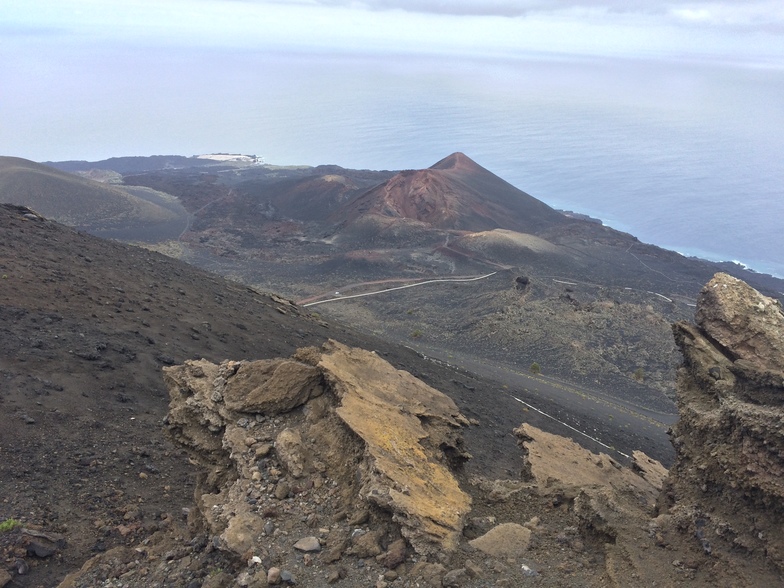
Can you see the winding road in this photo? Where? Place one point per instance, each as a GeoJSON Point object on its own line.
{"type": "Point", "coordinates": [348, 297]}
{"type": "Point", "coordinates": [601, 421]}
{"type": "Point", "coordinates": [589, 416]}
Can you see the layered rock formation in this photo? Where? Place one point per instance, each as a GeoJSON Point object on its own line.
{"type": "Point", "coordinates": [339, 424]}
{"type": "Point", "coordinates": [727, 485]}
{"type": "Point", "coordinates": [719, 520]}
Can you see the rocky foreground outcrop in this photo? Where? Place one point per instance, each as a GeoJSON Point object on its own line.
{"type": "Point", "coordinates": [376, 441]}
{"type": "Point", "coordinates": [727, 485]}
{"type": "Point", "coordinates": [721, 512]}
{"type": "Point", "coordinates": [332, 467]}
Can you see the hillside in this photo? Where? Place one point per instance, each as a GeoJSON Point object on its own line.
{"type": "Point", "coordinates": [86, 204]}
{"type": "Point", "coordinates": [455, 193]}
{"type": "Point", "coordinates": [133, 165]}
{"type": "Point", "coordinates": [587, 303]}
{"type": "Point", "coordinates": [332, 467]}
{"type": "Point", "coordinates": [88, 324]}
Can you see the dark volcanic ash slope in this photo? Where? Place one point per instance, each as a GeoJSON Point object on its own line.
{"type": "Point", "coordinates": [85, 327]}
{"type": "Point", "coordinates": [83, 203]}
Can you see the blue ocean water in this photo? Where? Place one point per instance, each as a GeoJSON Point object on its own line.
{"type": "Point", "coordinates": [685, 156]}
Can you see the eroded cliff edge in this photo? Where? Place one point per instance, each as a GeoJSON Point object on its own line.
{"type": "Point", "coordinates": [727, 484]}
{"type": "Point", "coordinates": [718, 520]}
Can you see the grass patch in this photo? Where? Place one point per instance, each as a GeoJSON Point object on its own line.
{"type": "Point", "coordinates": [9, 525]}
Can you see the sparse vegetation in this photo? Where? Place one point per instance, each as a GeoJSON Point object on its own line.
{"type": "Point", "coordinates": [639, 374]}
{"type": "Point", "coordinates": [535, 369]}
{"type": "Point", "coordinates": [416, 334]}
{"type": "Point", "coordinates": [9, 525]}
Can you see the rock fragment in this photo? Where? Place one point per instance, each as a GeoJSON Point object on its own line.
{"type": "Point", "coordinates": [308, 544]}
{"type": "Point", "coordinates": [291, 452]}
{"type": "Point", "coordinates": [395, 554]}
{"type": "Point", "coordinates": [455, 578]}
{"type": "Point", "coordinates": [282, 490]}
{"type": "Point", "coordinates": [508, 540]}
{"type": "Point", "coordinates": [272, 386]}
{"type": "Point", "coordinates": [273, 576]}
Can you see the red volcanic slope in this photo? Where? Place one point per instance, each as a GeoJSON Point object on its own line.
{"type": "Point", "coordinates": [455, 193]}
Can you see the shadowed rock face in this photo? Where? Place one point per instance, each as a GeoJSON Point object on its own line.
{"type": "Point", "coordinates": [344, 423]}
{"type": "Point", "coordinates": [728, 481]}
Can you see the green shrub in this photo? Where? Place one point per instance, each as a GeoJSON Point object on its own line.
{"type": "Point", "coordinates": [9, 525]}
{"type": "Point", "coordinates": [535, 369]}
{"type": "Point", "coordinates": [416, 334]}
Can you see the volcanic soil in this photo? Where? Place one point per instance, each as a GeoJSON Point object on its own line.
{"type": "Point", "coordinates": [87, 325]}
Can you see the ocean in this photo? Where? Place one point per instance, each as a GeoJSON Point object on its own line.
{"type": "Point", "coordinates": [685, 155]}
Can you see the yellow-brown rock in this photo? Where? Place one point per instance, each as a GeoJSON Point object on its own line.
{"type": "Point", "coordinates": [558, 464]}
{"type": "Point", "coordinates": [381, 438]}
{"type": "Point", "coordinates": [272, 386]}
{"type": "Point", "coordinates": [401, 421]}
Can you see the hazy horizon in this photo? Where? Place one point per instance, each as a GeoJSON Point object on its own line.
{"type": "Point", "coordinates": [89, 80]}
{"type": "Point", "coordinates": [663, 118]}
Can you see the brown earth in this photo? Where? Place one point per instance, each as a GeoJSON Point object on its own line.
{"type": "Point", "coordinates": [334, 468]}
{"type": "Point", "coordinates": [88, 324]}
{"type": "Point", "coordinates": [86, 327]}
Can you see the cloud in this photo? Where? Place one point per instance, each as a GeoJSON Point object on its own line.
{"type": "Point", "coordinates": [763, 15]}
{"type": "Point", "coordinates": [760, 14]}
{"type": "Point", "coordinates": [730, 29]}
{"type": "Point", "coordinates": [508, 8]}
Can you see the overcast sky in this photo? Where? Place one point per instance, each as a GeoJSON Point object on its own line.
{"type": "Point", "coordinates": [745, 30]}
{"type": "Point", "coordinates": [96, 78]}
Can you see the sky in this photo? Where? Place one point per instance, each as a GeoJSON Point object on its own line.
{"type": "Point", "coordinates": [62, 61]}
{"type": "Point", "coordinates": [734, 29]}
